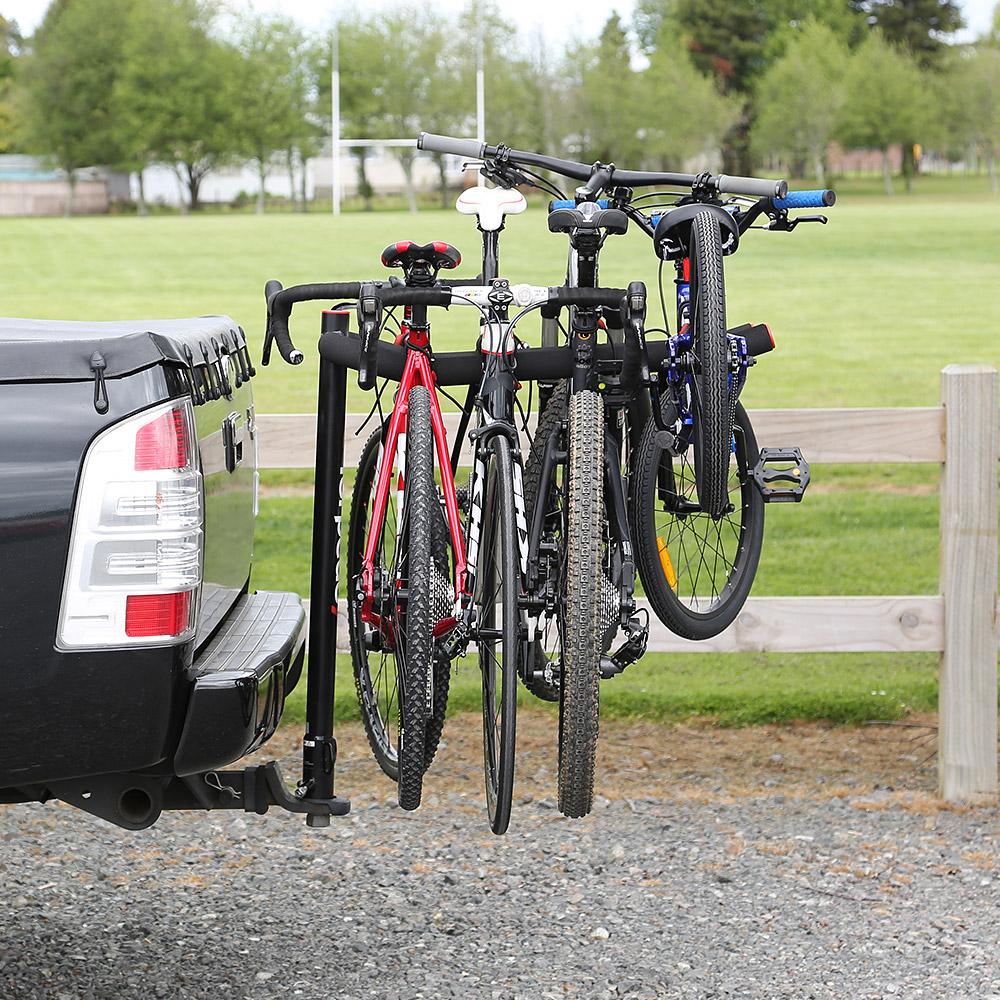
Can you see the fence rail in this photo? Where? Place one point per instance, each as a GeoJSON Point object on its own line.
{"type": "Point", "coordinates": [963, 435]}
{"type": "Point", "coordinates": [847, 435]}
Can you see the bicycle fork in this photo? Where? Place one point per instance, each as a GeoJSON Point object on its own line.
{"type": "Point", "coordinates": [636, 633]}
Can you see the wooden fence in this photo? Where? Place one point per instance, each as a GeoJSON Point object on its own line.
{"type": "Point", "coordinates": [960, 623]}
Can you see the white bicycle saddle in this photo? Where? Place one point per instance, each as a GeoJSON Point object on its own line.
{"type": "Point", "coordinates": [491, 205]}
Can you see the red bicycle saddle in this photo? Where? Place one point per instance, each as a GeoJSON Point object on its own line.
{"type": "Point", "coordinates": [407, 254]}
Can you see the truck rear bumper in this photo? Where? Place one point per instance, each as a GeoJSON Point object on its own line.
{"type": "Point", "coordinates": [241, 679]}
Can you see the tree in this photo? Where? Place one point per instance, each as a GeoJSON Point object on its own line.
{"type": "Point", "coordinates": [700, 115]}
{"type": "Point", "coordinates": [398, 70]}
{"type": "Point", "coordinates": [10, 47]}
{"type": "Point", "coordinates": [735, 43]}
{"type": "Point", "coordinates": [521, 89]}
{"type": "Point", "coordinates": [918, 26]}
{"type": "Point", "coordinates": [885, 101]}
{"type": "Point", "coordinates": [273, 99]}
{"type": "Point", "coordinates": [609, 96]}
{"type": "Point", "coordinates": [68, 85]}
{"type": "Point", "coordinates": [179, 93]}
{"type": "Point", "coordinates": [975, 109]}
{"type": "Point", "coordinates": [800, 98]}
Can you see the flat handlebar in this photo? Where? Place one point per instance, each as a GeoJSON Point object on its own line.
{"type": "Point", "coordinates": [754, 187]}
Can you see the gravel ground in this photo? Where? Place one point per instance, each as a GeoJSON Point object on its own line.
{"type": "Point", "coordinates": [802, 862]}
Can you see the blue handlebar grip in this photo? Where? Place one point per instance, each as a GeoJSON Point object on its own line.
{"type": "Point", "coordinates": [807, 199]}
{"type": "Point", "coordinates": [570, 203]}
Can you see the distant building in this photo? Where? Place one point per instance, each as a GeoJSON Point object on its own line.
{"type": "Point", "coordinates": [29, 187]}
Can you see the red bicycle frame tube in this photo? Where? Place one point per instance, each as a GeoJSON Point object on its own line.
{"type": "Point", "coordinates": [416, 371]}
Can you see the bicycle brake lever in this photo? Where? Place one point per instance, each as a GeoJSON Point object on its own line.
{"type": "Point", "coordinates": [782, 224]}
{"type": "Point", "coordinates": [369, 324]}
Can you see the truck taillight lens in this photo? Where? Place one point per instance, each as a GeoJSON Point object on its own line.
{"type": "Point", "coordinates": [162, 443]}
{"type": "Point", "coordinates": [157, 614]}
{"type": "Point", "coordinates": [136, 555]}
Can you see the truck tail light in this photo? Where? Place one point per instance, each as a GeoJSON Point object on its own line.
{"type": "Point", "coordinates": [162, 443]}
{"type": "Point", "coordinates": [157, 614]}
{"type": "Point", "coordinates": [136, 556]}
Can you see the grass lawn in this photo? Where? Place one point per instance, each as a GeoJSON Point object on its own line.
{"type": "Point", "coordinates": [822, 546]}
{"type": "Point", "coordinates": [866, 311]}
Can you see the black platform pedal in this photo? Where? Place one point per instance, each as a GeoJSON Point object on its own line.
{"type": "Point", "coordinates": [781, 475]}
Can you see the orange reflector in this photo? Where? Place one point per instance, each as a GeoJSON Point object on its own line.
{"type": "Point", "coordinates": [668, 566]}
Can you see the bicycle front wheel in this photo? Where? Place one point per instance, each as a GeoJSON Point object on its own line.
{"type": "Point", "coordinates": [498, 617]}
{"type": "Point", "coordinates": [585, 606]}
{"type": "Point", "coordinates": [713, 403]}
{"type": "Point", "coordinates": [372, 649]}
{"type": "Point", "coordinates": [415, 599]}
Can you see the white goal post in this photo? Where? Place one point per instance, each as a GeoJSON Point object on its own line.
{"type": "Point", "coordinates": [338, 143]}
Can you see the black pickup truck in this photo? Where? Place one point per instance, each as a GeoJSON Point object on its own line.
{"type": "Point", "coordinates": [135, 660]}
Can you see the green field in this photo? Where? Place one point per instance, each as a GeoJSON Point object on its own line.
{"type": "Point", "coordinates": [866, 311]}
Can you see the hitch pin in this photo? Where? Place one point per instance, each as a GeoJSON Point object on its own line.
{"type": "Point", "coordinates": [220, 787]}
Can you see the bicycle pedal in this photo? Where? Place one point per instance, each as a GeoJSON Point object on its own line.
{"type": "Point", "coordinates": [781, 475]}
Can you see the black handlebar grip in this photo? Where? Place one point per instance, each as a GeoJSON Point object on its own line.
{"type": "Point", "coordinates": [754, 187]}
{"type": "Point", "coordinates": [471, 148]}
{"type": "Point", "coordinates": [270, 289]}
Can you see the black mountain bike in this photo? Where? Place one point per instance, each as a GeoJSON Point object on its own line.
{"type": "Point", "coordinates": [669, 440]}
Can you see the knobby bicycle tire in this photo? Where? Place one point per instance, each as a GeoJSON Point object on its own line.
{"type": "Point", "coordinates": [583, 610]}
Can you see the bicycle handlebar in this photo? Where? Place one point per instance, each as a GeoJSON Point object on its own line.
{"type": "Point", "coordinates": [751, 186]}
{"type": "Point", "coordinates": [279, 309]}
{"type": "Point", "coordinates": [281, 300]}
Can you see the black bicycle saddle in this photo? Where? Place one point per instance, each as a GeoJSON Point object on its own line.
{"type": "Point", "coordinates": [588, 215]}
{"type": "Point", "coordinates": [433, 256]}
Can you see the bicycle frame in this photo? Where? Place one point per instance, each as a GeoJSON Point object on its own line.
{"type": "Point", "coordinates": [416, 371]}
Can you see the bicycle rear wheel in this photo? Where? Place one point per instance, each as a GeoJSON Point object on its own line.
{"type": "Point", "coordinates": [713, 403]}
{"type": "Point", "coordinates": [696, 570]}
{"type": "Point", "coordinates": [498, 618]}
{"type": "Point", "coordinates": [372, 656]}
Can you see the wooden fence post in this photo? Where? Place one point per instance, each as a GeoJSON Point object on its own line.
{"type": "Point", "coordinates": [967, 706]}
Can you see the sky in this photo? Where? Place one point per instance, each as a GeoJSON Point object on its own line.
{"type": "Point", "coordinates": [555, 19]}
